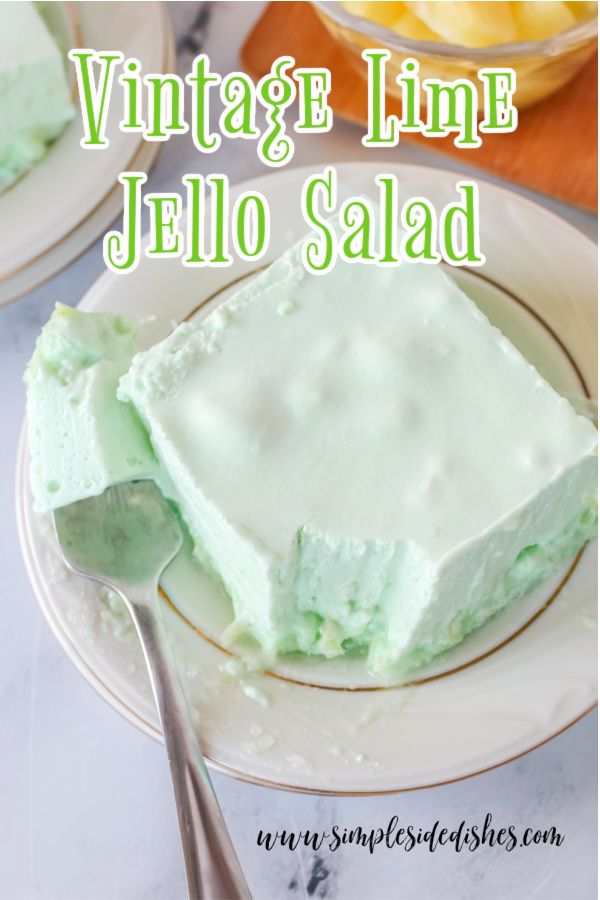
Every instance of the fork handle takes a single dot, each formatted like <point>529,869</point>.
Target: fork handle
<point>212,867</point>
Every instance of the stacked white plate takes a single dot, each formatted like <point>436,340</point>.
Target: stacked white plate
<point>52,214</point>
<point>328,725</point>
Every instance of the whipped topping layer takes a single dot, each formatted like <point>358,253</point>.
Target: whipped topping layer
<point>380,403</point>
<point>361,458</point>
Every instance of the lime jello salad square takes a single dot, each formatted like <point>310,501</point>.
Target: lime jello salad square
<point>361,457</point>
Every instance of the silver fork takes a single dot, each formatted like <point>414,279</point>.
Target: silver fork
<point>124,539</point>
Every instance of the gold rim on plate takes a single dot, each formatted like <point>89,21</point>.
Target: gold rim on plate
<point>146,725</point>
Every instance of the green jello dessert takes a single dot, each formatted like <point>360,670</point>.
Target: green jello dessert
<point>81,438</point>
<point>35,101</point>
<point>362,459</point>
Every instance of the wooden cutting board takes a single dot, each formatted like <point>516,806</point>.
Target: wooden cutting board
<point>554,150</point>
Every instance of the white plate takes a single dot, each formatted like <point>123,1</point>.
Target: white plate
<point>56,211</point>
<point>514,684</point>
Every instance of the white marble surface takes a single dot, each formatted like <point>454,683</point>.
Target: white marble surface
<point>85,800</point>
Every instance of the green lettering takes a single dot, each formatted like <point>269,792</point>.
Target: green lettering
<point>314,112</point>
<point>376,120</point>
<point>219,186</point>
<point>201,81</point>
<point>460,111</point>
<point>165,100</point>
<point>195,220</point>
<point>122,251</point>
<point>93,97</point>
<point>498,87</point>
<point>462,217</point>
<point>418,220</point>
<point>319,254</point>
<point>356,217</point>
<point>276,91</point>
<point>238,119</point>
<point>165,236</point>
<point>251,225</point>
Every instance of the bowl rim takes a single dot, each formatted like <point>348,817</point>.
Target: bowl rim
<point>551,47</point>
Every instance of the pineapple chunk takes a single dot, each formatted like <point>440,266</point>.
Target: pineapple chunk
<point>380,11</point>
<point>470,24</point>
<point>540,19</point>
<point>409,26</point>
<point>583,9</point>
<point>474,23</point>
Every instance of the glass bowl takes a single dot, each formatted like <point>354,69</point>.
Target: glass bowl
<point>542,67</point>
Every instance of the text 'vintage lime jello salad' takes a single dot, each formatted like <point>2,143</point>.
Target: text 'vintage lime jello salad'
<point>364,462</point>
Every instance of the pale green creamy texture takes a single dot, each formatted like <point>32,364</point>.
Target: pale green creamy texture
<point>81,438</point>
<point>365,460</point>
<point>362,459</point>
<point>35,101</point>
